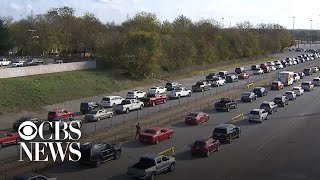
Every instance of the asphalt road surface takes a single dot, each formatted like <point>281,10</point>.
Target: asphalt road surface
<point>13,151</point>
<point>283,147</point>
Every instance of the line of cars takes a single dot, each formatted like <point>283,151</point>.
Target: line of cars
<point>150,165</point>
<point>20,63</point>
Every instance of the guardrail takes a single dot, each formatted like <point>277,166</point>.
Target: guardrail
<point>250,85</point>
<point>167,150</point>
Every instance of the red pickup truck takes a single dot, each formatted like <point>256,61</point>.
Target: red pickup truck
<point>7,138</point>
<point>153,99</point>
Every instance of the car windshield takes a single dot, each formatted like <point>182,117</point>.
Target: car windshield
<point>124,102</point>
<point>296,88</point>
<point>105,99</point>
<point>264,105</point>
<point>153,88</point>
<point>199,143</point>
<point>278,98</point>
<point>315,79</point>
<point>150,131</point>
<point>246,94</point>
<point>219,130</point>
<point>93,112</point>
<point>275,83</point>
<point>130,92</point>
<point>193,114</point>
<point>305,84</point>
<point>225,100</point>
<point>215,78</point>
<point>255,112</point>
<point>199,83</point>
<point>84,105</point>
<point>151,95</point>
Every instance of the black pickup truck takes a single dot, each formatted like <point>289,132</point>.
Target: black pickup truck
<point>201,86</point>
<point>226,104</point>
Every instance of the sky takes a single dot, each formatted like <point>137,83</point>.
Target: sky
<point>227,12</point>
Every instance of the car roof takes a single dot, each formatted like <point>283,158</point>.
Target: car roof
<point>256,109</point>
<point>110,96</point>
<point>278,96</point>
<point>224,126</point>
<point>28,176</point>
<point>258,87</point>
<point>203,139</point>
<point>290,91</point>
<point>154,128</point>
<point>151,156</point>
<point>266,102</point>
<point>91,144</point>
<point>57,109</point>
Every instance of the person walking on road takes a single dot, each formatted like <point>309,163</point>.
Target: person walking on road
<point>138,130</point>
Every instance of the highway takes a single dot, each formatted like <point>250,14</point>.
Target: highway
<point>283,147</point>
<point>13,151</point>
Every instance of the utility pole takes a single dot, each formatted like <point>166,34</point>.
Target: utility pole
<point>311,33</point>
<point>293,31</point>
<point>222,23</point>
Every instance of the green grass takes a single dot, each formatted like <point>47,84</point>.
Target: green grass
<point>33,92</point>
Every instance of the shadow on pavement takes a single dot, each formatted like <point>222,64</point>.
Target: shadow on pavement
<point>119,177</point>
<point>180,124</point>
<point>184,156</point>
<point>135,144</point>
<point>67,167</point>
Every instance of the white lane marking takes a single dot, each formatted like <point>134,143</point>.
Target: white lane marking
<point>266,143</point>
<point>302,114</point>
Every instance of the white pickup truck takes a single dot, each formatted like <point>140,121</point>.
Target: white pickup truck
<point>180,92</point>
<point>4,62</point>
<point>218,81</point>
<point>128,105</point>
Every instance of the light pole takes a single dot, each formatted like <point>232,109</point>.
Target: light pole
<point>293,31</point>
<point>311,33</point>
<point>222,23</point>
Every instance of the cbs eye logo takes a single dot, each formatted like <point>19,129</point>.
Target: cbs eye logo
<point>27,130</point>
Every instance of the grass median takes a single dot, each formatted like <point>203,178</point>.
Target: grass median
<point>34,92</point>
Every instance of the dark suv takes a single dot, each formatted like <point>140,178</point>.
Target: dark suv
<point>231,78</point>
<point>281,100</point>
<point>260,91</point>
<point>87,107</point>
<point>307,71</point>
<point>226,132</point>
<point>94,154</point>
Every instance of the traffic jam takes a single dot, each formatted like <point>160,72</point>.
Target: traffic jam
<point>151,165</point>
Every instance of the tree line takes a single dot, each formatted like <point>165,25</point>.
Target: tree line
<point>142,45</point>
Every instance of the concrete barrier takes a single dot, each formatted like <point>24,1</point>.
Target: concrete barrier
<point>45,69</point>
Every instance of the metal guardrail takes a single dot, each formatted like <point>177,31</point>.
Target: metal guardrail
<point>167,150</point>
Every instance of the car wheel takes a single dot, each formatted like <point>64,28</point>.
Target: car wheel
<point>164,100</point>
<point>172,167</point>
<point>208,153</point>
<point>111,114</point>
<point>170,136</point>
<point>117,155</point>
<point>98,119</point>
<point>230,139</point>
<point>235,107</point>
<point>239,134</point>
<point>72,115</point>
<point>98,163</point>
<point>189,94</point>
<point>153,103</point>
<point>179,96</point>
<point>157,141</point>
<point>127,110</point>
<point>266,118</point>
<point>141,107</point>
<point>153,176</point>
<point>228,109</point>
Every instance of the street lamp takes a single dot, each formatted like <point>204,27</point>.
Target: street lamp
<point>293,30</point>
<point>222,23</point>
<point>311,33</point>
